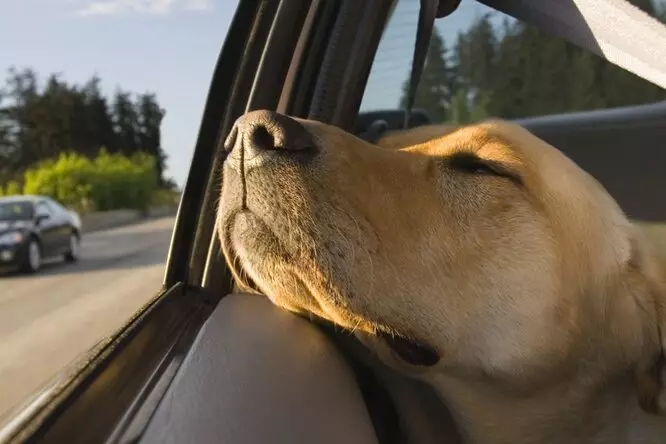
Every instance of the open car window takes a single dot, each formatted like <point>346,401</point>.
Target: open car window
<point>99,110</point>
<point>483,63</point>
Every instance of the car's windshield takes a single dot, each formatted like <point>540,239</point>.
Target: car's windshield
<point>16,211</point>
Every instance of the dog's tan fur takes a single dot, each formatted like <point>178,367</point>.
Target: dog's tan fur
<point>541,298</point>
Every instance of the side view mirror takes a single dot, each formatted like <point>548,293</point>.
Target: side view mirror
<point>41,217</point>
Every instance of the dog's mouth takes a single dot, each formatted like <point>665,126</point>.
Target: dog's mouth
<point>241,278</point>
<point>412,351</point>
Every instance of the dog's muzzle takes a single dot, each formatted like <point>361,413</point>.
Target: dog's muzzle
<point>264,137</point>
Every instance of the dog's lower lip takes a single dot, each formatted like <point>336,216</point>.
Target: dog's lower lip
<point>244,281</point>
<point>412,351</point>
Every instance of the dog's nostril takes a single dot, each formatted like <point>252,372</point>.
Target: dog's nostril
<point>268,130</point>
<point>262,139</point>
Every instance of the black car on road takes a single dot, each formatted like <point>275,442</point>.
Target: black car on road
<point>33,228</point>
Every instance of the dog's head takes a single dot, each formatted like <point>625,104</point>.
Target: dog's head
<point>481,252</point>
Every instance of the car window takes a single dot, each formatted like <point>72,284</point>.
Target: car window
<point>55,207</point>
<point>482,63</point>
<point>16,211</point>
<point>100,108</point>
<point>43,208</point>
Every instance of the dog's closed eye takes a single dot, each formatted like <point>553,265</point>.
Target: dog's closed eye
<point>472,164</point>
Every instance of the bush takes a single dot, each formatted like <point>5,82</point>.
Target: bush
<point>123,182</point>
<point>12,188</point>
<point>66,179</point>
<point>166,198</point>
<point>107,182</point>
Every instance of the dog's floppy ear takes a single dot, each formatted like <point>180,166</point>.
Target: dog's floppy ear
<point>651,371</point>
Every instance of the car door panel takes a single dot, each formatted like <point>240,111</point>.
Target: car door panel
<point>297,386</point>
<point>48,230</point>
<point>62,227</point>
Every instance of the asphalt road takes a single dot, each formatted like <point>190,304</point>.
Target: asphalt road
<point>50,319</point>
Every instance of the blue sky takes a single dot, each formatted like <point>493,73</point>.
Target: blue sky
<point>168,47</point>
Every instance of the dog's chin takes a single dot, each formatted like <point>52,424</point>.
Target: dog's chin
<point>408,349</point>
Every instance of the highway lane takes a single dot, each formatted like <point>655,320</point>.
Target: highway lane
<point>49,319</point>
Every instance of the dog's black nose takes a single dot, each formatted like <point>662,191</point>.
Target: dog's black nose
<point>259,132</point>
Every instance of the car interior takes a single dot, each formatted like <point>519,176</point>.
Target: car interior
<point>203,363</point>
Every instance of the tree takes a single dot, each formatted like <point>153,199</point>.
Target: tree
<point>460,108</point>
<point>434,92</point>
<point>20,116</point>
<point>585,92</point>
<point>522,72</point>
<point>475,54</point>
<point>39,122</point>
<point>508,77</point>
<point>475,59</point>
<point>126,123</point>
<point>98,119</point>
<point>150,120</point>
<point>6,145</point>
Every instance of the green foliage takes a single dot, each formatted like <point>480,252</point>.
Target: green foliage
<point>65,179</point>
<point>433,93</point>
<point>460,108</point>
<point>480,106</point>
<point>165,198</point>
<point>123,181</point>
<point>106,182</point>
<point>13,188</point>
<point>38,120</point>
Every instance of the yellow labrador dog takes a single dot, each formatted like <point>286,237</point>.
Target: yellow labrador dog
<point>478,259</point>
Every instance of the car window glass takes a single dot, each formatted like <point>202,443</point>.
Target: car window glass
<point>482,63</point>
<point>16,211</point>
<point>43,209</point>
<point>54,207</point>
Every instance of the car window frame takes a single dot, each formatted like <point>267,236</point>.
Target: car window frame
<point>128,372</point>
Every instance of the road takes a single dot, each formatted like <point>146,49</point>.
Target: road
<point>50,319</point>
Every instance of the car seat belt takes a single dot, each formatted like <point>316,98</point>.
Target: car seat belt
<point>427,15</point>
<point>614,29</point>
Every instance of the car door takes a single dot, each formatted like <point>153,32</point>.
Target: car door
<point>47,226</point>
<point>61,226</point>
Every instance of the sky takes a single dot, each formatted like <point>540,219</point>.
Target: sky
<point>170,47</point>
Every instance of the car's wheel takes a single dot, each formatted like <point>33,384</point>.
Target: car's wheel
<point>33,258</point>
<point>72,254</point>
